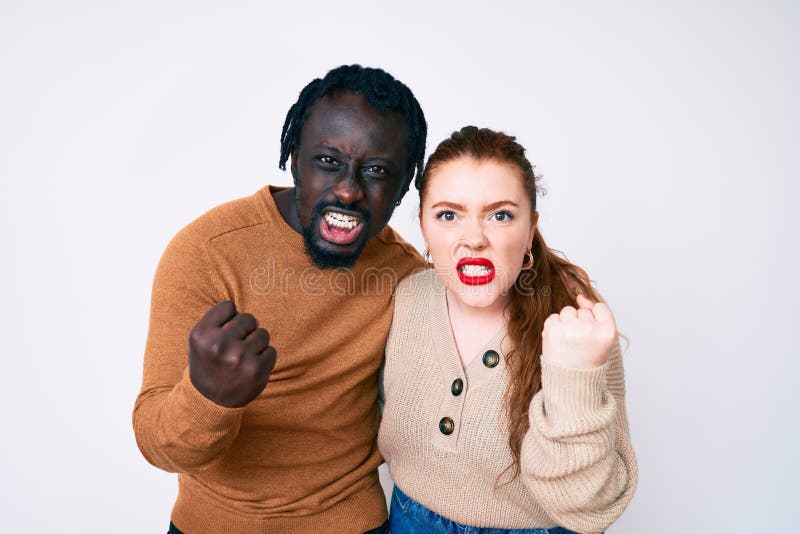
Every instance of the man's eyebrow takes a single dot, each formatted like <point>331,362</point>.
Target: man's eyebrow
<point>328,148</point>
<point>378,159</point>
<point>375,159</point>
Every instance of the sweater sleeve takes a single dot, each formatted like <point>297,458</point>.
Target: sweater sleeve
<point>176,427</point>
<point>577,459</point>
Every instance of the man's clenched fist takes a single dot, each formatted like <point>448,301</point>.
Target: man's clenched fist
<point>229,357</point>
<point>579,338</point>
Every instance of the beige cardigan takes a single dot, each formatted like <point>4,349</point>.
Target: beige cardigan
<point>448,448</point>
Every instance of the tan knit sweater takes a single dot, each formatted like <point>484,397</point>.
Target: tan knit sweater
<point>578,467</point>
<point>302,456</point>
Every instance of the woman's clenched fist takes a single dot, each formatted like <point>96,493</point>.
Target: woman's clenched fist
<point>579,338</point>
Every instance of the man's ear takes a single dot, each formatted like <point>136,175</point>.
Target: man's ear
<point>406,186</point>
<point>410,178</point>
<point>293,163</point>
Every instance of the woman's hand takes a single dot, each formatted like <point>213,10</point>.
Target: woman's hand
<point>579,338</point>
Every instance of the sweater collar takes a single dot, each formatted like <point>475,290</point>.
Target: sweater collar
<point>478,371</point>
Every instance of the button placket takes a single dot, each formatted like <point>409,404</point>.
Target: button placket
<point>457,381</point>
<point>446,426</point>
<point>488,364</point>
<point>491,359</point>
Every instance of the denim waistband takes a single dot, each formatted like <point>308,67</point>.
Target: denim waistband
<point>407,516</point>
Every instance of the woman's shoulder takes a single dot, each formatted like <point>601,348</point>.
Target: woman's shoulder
<point>416,286</point>
<point>413,293</point>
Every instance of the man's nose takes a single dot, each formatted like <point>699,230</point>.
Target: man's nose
<point>348,189</point>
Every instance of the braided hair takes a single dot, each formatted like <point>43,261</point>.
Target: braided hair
<point>380,89</point>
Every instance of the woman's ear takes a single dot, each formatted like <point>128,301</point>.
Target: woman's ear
<point>422,231</point>
<point>534,223</point>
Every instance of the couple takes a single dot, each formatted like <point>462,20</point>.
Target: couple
<point>503,389</point>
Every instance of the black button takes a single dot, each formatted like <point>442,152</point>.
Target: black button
<point>491,358</point>
<point>446,425</point>
<point>457,387</point>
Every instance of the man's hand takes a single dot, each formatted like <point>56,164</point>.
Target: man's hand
<point>579,338</point>
<point>229,357</point>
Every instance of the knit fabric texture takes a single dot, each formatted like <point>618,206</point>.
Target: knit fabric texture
<point>302,456</point>
<point>578,468</point>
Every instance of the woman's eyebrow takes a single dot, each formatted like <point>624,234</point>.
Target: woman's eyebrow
<point>446,204</point>
<point>488,207</point>
<point>494,205</point>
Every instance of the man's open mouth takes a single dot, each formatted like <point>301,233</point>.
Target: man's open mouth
<point>340,228</point>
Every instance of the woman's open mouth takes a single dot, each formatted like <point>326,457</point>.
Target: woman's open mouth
<point>340,228</point>
<point>475,271</point>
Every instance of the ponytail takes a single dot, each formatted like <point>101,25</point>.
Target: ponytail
<point>548,286</point>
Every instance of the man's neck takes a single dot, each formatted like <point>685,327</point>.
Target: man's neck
<point>286,202</point>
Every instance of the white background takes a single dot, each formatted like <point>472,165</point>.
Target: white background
<point>667,134</point>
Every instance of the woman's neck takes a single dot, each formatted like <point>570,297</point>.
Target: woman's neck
<point>473,327</point>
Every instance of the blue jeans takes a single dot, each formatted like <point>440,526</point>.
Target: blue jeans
<point>407,516</point>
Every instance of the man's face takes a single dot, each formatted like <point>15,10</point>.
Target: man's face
<point>349,170</point>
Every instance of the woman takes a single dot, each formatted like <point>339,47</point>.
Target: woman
<point>504,392</point>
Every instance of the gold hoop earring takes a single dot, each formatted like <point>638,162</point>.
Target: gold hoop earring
<point>527,263</point>
<point>427,256</point>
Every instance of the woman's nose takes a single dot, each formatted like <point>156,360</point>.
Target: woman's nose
<point>474,235</point>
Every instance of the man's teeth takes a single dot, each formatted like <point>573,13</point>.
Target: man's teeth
<point>475,270</point>
<point>340,220</point>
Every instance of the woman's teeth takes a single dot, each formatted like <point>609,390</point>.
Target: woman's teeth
<point>475,270</point>
<point>339,220</point>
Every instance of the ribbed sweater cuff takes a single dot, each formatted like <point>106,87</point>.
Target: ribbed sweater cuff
<point>200,414</point>
<point>573,396</point>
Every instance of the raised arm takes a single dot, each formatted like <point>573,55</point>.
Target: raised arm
<point>577,457</point>
<point>203,363</point>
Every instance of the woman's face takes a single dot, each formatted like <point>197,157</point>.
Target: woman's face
<point>477,223</point>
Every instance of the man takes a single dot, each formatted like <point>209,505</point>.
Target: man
<point>270,416</point>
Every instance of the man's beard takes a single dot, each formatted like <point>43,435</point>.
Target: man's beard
<point>322,258</point>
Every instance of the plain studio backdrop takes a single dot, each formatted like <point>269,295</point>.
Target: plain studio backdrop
<point>667,135</point>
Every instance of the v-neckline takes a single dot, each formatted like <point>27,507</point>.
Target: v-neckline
<point>474,374</point>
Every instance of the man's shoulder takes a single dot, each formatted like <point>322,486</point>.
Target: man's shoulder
<point>389,249</point>
<point>225,219</point>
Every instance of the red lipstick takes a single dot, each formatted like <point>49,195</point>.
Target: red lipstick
<point>473,279</point>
